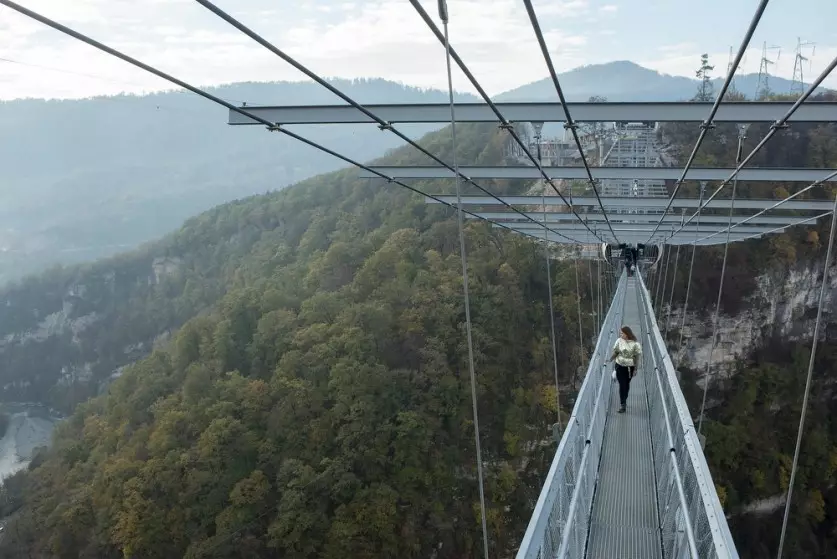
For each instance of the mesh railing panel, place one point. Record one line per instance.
(567, 495)
(675, 445)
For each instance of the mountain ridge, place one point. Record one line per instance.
(123, 170)
(623, 80)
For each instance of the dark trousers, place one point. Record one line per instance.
(623, 375)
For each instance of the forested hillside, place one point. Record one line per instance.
(316, 401)
(322, 408)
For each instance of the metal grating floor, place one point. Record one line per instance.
(624, 522)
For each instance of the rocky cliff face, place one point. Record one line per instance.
(75, 335)
(785, 305)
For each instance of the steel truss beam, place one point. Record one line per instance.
(632, 238)
(603, 173)
(569, 228)
(541, 112)
(638, 203)
(616, 219)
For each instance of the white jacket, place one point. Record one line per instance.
(627, 352)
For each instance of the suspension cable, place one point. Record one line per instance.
(578, 310)
(592, 299)
(599, 290)
(659, 280)
(551, 314)
(569, 124)
(706, 375)
(655, 279)
(808, 380)
(382, 124)
(662, 300)
(783, 227)
(780, 124)
(709, 122)
(673, 283)
(504, 123)
(443, 15)
(689, 283)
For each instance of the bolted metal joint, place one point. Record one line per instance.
(505, 125)
(570, 126)
(706, 125)
(779, 126)
(274, 128)
(385, 126)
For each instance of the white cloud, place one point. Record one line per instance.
(563, 8)
(340, 38)
(333, 38)
(678, 48)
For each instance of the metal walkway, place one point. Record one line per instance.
(633, 485)
(624, 522)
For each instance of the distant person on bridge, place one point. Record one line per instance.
(627, 353)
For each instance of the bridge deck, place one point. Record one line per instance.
(624, 522)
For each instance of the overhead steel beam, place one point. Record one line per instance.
(637, 236)
(540, 112)
(520, 172)
(632, 237)
(579, 233)
(704, 229)
(638, 203)
(558, 218)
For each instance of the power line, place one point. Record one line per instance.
(382, 124)
(708, 123)
(569, 124)
(504, 124)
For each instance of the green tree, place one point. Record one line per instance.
(705, 89)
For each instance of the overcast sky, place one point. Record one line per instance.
(386, 38)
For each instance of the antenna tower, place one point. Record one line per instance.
(732, 88)
(763, 86)
(798, 85)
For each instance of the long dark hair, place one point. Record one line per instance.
(629, 333)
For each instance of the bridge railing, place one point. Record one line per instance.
(692, 521)
(560, 521)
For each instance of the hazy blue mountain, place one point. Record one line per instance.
(627, 81)
(83, 179)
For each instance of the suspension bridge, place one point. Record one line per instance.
(633, 485)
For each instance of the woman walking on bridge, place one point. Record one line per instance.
(627, 353)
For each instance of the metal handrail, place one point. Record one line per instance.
(678, 480)
(565, 541)
(550, 528)
(717, 529)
